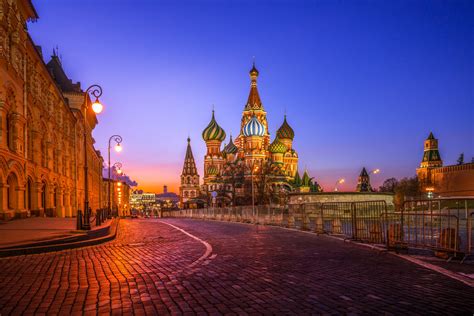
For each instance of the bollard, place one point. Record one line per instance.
(97, 218)
(336, 226)
(449, 243)
(375, 232)
(79, 220)
(318, 225)
(395, 235)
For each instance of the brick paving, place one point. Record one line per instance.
(149, 269)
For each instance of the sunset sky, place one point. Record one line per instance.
(362, 82)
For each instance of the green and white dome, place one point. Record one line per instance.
(277, 147)
(212, 171)
(213, 131)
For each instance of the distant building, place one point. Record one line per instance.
(439, 180)
(140, 199)
(363, 183)
(167, 196)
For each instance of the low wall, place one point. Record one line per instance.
(325, 197)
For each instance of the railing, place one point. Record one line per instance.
(445, 226)
(442, 225)
(101, 215)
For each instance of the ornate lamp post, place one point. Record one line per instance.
(253, 169)
(118, 167)
(96, 91)
(118, 148)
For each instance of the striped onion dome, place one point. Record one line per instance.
(213, 131)
(230, 148)
(212, 171)
(285, 131)
(277, 147)
(254, 127)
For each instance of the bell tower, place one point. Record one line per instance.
(189, 187)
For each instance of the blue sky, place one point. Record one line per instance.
(362, 82)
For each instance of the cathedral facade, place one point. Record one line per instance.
(251, 165)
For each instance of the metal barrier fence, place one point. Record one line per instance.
(442, 225)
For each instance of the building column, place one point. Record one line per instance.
(59, 202)
(20, 211)
(36, 208)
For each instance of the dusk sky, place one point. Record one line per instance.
(362, 82)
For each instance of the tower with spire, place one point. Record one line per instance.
(363, 183)
(189, 188)
(431, 159)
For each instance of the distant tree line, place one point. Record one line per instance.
(404, 189)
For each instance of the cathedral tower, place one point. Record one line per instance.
(285, 135)
(213, 135)
(254, 107)
(189, 187)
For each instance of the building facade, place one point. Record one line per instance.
(438, 180)
(42, 125)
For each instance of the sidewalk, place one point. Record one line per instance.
(36, 229)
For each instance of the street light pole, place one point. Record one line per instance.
(118, 148)
(96, 91)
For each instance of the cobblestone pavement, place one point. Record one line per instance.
(151, 269)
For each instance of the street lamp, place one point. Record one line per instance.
(96, 91)
(254, 168)
(118, 148)
(375, 171)
(340, 181)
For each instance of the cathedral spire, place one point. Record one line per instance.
(253, 102)
(189, 167)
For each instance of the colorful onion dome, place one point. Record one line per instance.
(254, 127)
(285, 131)
(230, 148)
(277, 147)
(213, 131)
(212, 171)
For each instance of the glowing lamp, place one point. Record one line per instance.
(118, 148)
(97, 107)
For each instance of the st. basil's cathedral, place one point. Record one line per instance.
(251, 159)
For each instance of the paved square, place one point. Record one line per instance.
(151, 269)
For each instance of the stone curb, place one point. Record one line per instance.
(113, 228)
